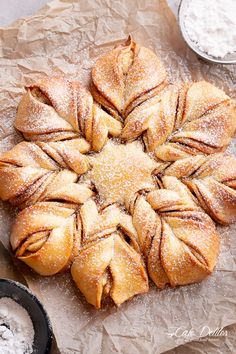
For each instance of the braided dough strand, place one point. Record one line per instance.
(179, 242)
(58, 109)
(33, 172)
(212, 179)
(107, 265)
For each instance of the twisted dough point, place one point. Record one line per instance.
(45, 237)
(127, 76)
(32, 172)
(107, 265)
(58, 109)
(191, 119)
(180, 242)
(212, 179)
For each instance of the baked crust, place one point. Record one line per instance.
(117, 184)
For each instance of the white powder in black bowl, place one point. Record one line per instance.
(16, 328)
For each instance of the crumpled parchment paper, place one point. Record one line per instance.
(66, 37)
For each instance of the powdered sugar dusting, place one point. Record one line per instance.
(16, 328)
(121, 170)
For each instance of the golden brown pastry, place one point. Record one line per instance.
(108, 265)
(45, 236)
(58, 109)
(127, 76)
(121, 170)
(212, 180)
(33, 172)
(195, 118)
(180, 242)
(119, 209)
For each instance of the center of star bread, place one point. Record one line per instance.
(120, 170)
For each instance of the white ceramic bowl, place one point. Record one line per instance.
(228, 59)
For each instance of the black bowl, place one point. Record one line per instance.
(42, 325)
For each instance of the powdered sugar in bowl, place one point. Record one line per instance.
(24, 324)
(209, 28)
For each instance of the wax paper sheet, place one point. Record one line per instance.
(66, 37)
